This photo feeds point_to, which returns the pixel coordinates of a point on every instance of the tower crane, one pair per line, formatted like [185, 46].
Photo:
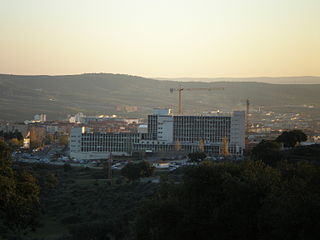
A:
[181, 89]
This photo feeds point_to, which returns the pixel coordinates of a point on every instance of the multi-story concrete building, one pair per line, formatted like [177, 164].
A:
[191, 131]
[165, 133]
[85, 144]
[40, 117]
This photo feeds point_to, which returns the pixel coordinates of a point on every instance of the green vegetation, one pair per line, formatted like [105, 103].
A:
[134, 171]
[49, 139]
[197, 156]
[64, 140]
[229, 200]
[267, 151]
[291, 138]
[7, 136]
[274, 196]
[13, 138]
[80, 203]
[270, 151]
[19, 197]
[310, 153]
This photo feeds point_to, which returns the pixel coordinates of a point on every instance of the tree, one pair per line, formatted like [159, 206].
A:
[14, 143]
[177, 145]
[19, 196]
[300, 136]
[67, 167]
[228, 200]
[37, 136]
[295, 202]
[201, 145]
[197, 156]
[64, 140]
[291, 138]
[49, 139]
[10, 135]
[267, 151]
[47, 181]
[18, 135]
[134, 171]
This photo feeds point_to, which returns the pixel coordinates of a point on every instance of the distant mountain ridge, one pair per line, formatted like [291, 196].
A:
[21, 96]
[273, 80]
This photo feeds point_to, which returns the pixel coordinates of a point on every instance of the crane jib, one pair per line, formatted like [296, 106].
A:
[180, 89]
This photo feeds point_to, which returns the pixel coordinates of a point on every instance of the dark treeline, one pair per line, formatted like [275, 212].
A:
[11, 135]
[19, 198]
[228, 200]
[254, 199]
[275, 195]
[286, 147]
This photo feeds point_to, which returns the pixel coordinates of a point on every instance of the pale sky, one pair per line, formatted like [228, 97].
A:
[161, 38]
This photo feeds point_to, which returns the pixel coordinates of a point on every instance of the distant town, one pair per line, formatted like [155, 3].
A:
[161, 135]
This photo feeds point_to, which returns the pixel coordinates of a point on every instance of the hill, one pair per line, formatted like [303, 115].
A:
[23, 96]
[273, 80]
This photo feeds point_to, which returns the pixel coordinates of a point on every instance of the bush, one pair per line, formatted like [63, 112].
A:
[48, 181]
[248, 200]
[97, 231]
[73, 219]
[197, 156]
[67, 167]
[134, 171]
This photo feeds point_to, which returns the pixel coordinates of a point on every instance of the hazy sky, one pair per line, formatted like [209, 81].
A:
[161, 38]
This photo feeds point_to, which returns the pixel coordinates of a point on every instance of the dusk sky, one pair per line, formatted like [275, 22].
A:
[161, 38]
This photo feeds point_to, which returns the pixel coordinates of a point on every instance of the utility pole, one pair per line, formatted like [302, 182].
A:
[247, 117]
[247, 124]
[110, 166]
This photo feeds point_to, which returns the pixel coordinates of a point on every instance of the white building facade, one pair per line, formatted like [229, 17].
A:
[164, 133]
[40, 117]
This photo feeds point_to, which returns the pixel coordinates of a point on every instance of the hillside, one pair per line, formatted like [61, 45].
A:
[23, 96]
[273, 80]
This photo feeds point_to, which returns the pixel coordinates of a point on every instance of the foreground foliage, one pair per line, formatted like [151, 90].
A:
[81, 204]
[291, 138]
[273, 198]
[19, 197]
[250, 200]
[134, 171]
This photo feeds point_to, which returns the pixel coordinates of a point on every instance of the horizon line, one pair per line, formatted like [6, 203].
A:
[163, 78]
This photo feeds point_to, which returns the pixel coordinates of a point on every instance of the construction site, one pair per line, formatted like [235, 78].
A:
[166, 134]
